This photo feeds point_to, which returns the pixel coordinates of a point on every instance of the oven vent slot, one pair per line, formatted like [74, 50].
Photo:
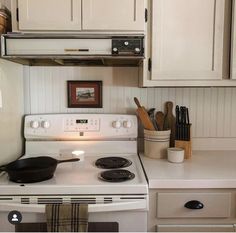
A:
[25, 201]
[83, 200]
[50, 200]
[107, 199]
[6, 199]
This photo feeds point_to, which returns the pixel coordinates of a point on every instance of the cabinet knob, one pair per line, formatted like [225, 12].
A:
[194, 205]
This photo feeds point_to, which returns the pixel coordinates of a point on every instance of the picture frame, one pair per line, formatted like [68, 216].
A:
[84, 94]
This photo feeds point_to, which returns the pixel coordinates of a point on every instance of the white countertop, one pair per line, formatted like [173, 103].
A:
[206, 169]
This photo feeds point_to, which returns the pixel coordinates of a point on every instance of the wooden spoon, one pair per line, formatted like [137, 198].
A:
[160, 120]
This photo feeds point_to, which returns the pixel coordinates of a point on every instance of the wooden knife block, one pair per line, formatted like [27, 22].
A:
[187, 146]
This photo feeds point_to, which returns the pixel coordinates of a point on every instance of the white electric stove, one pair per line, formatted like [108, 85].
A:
[89, 137]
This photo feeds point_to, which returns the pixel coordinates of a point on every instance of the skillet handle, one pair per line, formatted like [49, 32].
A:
[2, 168]
[68, 160]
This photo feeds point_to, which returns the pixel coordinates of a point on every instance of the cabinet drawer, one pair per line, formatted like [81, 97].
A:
[172, 205]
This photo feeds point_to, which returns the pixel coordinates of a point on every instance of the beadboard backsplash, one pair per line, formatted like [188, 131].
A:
[212, 110]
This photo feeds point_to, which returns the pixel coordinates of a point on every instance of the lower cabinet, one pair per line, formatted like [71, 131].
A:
[195, 228]
[211, 210]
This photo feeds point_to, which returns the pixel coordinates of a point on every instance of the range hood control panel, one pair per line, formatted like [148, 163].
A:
[127, 46]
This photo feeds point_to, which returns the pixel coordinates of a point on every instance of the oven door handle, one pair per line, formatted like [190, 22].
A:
[92, 208]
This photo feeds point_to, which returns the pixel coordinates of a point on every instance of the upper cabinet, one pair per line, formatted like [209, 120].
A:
[49, 15]
[79, 15]
[189, 42]
[113, 15]
[233, 51]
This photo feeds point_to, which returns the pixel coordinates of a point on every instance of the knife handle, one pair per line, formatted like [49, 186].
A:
[187, 113]
[177, 114]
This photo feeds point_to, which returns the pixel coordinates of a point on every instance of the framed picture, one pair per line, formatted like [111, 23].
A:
[84, 94]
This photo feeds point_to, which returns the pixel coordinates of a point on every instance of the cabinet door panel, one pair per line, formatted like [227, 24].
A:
[113, 15]
[172, 205]
[49, 15]
[187, 39]
[195, 228]
[233, 52]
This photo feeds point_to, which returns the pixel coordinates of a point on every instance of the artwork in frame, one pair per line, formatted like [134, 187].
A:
[84, 94]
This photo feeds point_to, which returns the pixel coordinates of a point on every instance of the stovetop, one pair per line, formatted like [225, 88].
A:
[82, 178]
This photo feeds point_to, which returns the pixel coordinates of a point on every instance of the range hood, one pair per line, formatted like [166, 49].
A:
[71, 50]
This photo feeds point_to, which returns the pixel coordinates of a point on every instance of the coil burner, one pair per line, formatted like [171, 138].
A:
[113, 163]
[117, 175]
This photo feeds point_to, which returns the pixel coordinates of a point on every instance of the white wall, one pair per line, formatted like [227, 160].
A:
[6, 3]
[11, 86]
[212, 110]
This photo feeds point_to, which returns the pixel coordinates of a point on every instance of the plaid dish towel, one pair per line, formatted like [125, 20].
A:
[67, 217]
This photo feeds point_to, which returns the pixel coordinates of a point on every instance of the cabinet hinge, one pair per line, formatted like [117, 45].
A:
[146, 15]
[149, 64]
[17, 14]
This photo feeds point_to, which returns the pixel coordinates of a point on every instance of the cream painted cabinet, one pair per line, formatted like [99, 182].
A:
[196, 228]
[233, 49]
[113, 15]
[189, 42]
[192, 210]
[188, 39]
[79, 15]
[47, 15]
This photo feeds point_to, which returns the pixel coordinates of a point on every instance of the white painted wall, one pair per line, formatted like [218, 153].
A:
[6, 3]
[11, 86]
[212, 110]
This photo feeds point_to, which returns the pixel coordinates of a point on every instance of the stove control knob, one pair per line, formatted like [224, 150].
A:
[116, 124]
[127, 124]
[45, 124]
[34, 124]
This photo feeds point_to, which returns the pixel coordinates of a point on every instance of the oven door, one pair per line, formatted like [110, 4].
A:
[130, 216]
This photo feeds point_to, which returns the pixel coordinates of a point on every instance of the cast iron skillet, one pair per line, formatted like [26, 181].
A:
[33, 169]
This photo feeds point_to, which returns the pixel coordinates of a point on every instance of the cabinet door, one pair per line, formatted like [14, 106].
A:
[187, 39]
[113, 15]
[49, 15]
[233, 53]
[195, 228]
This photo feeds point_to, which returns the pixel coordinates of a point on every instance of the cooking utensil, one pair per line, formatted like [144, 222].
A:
[177, 128]
[188, 125]
[151, 115]
[160, 120]
[169, 117]
[169, 121]
[143, 115]
[33, 169]
[182, 123]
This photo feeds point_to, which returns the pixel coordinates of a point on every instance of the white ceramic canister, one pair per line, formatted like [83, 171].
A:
[175, 155]
[156, 143]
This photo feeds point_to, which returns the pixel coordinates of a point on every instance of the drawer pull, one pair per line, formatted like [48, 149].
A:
[194, 205]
